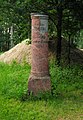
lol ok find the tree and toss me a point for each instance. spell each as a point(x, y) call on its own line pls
point(63, 18)
point(69, 25)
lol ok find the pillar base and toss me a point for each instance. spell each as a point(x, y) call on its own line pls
point(39, 84)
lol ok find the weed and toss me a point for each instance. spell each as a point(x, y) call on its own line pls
point(65, 102)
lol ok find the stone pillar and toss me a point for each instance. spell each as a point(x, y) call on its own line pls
point(39, 80)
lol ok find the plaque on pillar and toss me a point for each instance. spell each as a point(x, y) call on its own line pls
point(39, 80)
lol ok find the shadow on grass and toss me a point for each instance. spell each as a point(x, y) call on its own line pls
point(50, 97)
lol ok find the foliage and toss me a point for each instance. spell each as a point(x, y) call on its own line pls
point(67, 82)
point(66, 101)
point(18, 75)
point(79, 40)
point(17, 13)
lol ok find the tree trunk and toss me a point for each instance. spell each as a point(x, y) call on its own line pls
point(69, 48)
point(59, 29)
point(11, 37)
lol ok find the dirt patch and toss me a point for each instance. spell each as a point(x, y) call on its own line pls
point(20, 53)
point(76, 55)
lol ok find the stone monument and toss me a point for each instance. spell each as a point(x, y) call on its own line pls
point(39, 80)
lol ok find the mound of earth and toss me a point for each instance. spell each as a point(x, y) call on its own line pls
point(76, 55)
point(20, 53)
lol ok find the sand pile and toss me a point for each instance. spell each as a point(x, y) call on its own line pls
point(20, 53)
point(76, 55)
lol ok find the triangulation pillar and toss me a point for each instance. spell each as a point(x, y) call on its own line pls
point(39, 80)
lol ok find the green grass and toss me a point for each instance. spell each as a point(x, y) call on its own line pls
point(1, 53)
point(65, 103)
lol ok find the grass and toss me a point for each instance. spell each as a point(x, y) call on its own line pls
point(65, 103)
point(1, 53)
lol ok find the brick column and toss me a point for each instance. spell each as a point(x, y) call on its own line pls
point(39, 80)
